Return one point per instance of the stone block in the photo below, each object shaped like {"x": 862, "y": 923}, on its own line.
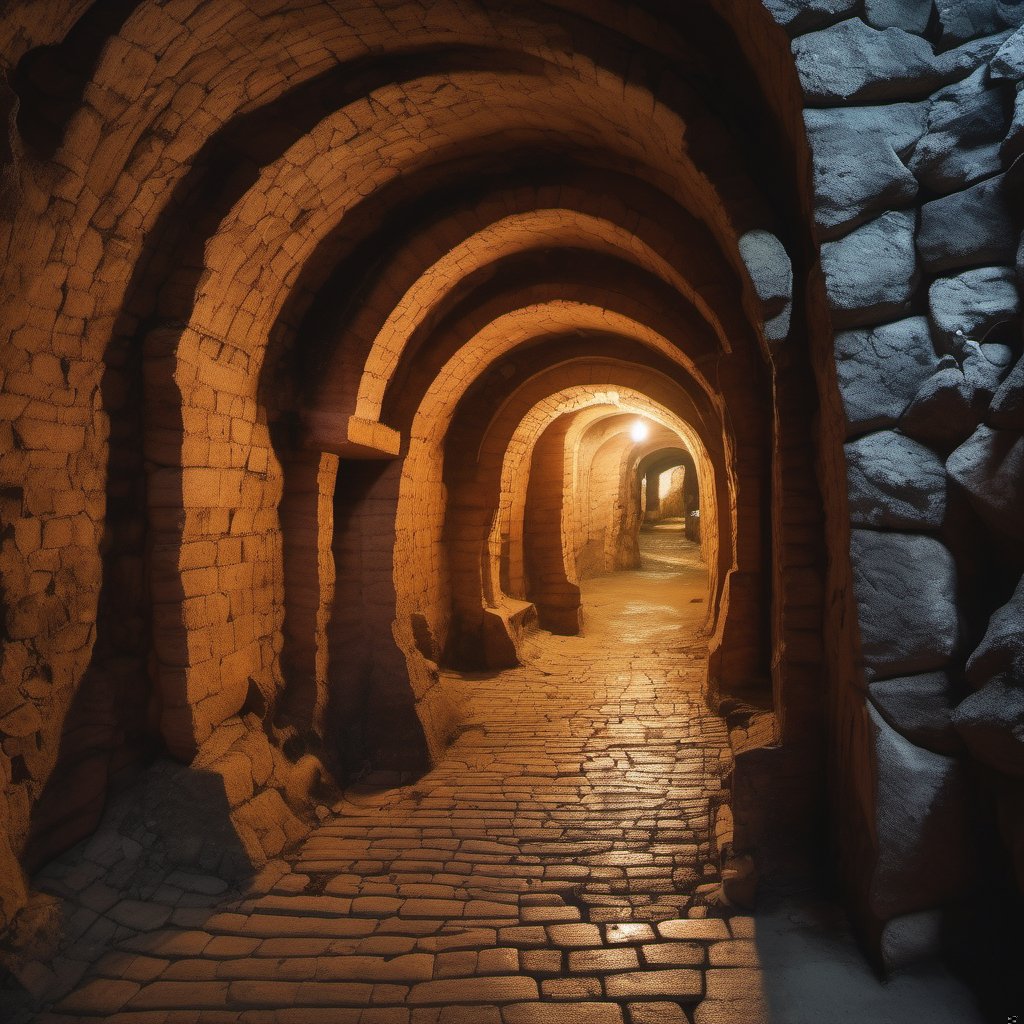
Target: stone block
{"x": 905, "y": 586}
{"x": 803, "y": 15}
{"x": 895, "y": 483}
{"x": 1008, "y": 62}
{"x": 920, "y": 708}
{"x": 858, "y": 165}
{"x": 991, "y": 722}
{"x": 1013, "y": 144}
{"x": 989, "y": 466}
{"x": 1000, "y": 655}
{"x": 984, "y": 367}
{"x": 672, "y": 983}
{"x": 854, "y": 63}
{"x": 1006, "y": 411}
{"x": 911, "y": 939}
{"x": 911, "y": 15}
{"x": 921, "y": 821}
{"x": 972, "y": 227}
{"x": 871, "y": 273}
{"x": 474, "y": 990}
{"x": 970, "y": 304}
{"x": 967, "y": 123}
{"x": 771, "y": 272}
{"x": 945, "y": 410}
{"x": 694, "y": 929}
{"x": 881, "y": 370}
{"x": 967, "y": 19}
{"x": 566, "y": 1013}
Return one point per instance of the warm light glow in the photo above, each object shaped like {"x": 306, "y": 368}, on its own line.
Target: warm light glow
{"x": 640, "y": 431}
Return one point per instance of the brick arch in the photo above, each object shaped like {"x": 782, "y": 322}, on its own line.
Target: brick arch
{"x": 209, "y": 361}
{"x": 662, "y": 460}
{"x": 423, "y": 459}
{"x": 122, "y": 159}
{"x": 570, "y": 450}
{"x": 620, "y": 516}
{"x": 487, "y": 501}
{"x": 219, "y": 347}
{"x": 207, "y": 349}
{"x": 372, "y": 357}
{"x": 605, "y": 520}
{"x": 540, "y": 228}
{"x": 647, "y": 397}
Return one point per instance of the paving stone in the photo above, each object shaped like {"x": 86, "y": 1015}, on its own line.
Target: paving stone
{"x": 207, "y": 885}
{"x": 656, "y": 1013}
{"x": 742, "y": 927}
{"x": 674, "y": 954}
{"x": 734, "y": 953}
{"x": 572, "y": 989}
{"x": 653, "y": 984}
{"x": 142, "y": 917}
{"x": 184, "y": 995}
{"x": 541, "y": 961}
{"x": 629, "y": 932}
{"x": 731, "y": 1011}
{"x": 739, "y": 983}
{"x": 590, "y": 961}
{"x": 101, "y": 996}
{"x": 571, "y": 1013}
{"x": 474, "y": 990}
{"x": 575, "y": 935}
{"x": 526, "y": 871}
{"x": 694, "y": 930}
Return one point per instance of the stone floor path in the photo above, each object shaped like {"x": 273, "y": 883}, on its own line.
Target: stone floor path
{"x": 556, "y": 868}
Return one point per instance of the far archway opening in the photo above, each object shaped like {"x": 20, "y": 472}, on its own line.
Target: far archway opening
{"x": 669, "y": 524}
{"x": 567, "y": 508}
{"x": 611, "y": 553}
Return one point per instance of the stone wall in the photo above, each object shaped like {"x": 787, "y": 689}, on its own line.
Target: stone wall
{"x": 283, "y": 282}
{"x": 914, "y": 120}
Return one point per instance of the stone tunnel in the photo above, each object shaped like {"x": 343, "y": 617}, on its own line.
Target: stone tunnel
{"x": 511, "y": 512}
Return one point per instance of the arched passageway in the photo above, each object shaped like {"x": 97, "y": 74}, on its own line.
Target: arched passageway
{"x": 462, "y": 466}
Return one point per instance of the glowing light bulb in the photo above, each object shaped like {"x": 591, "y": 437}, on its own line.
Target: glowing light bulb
{"x": 640, "y": 431}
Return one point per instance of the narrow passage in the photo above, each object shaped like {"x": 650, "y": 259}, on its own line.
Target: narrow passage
{"x": 560, "y": 854}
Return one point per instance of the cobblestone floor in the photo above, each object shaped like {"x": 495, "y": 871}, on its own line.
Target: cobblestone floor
{"x": 555, "y": 868}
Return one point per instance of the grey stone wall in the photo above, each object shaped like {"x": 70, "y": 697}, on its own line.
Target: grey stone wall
{"x": 915, "y": 116}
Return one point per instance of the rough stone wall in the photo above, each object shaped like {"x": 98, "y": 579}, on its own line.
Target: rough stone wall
{"x": 914, "y": 119}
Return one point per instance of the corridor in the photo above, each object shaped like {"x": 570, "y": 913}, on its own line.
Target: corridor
{"x": 557, "y": 864}
{"x": 509, "y": 512}
{"x": 557, "y": 867}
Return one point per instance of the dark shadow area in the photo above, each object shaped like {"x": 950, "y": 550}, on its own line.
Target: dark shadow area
{"x": 50, "y": 80}
{"x": 812, "y": 971}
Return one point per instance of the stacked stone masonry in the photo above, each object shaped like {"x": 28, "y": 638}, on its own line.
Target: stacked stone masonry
{"x": 325, "y": 330}
{"x": 914, "y": 120}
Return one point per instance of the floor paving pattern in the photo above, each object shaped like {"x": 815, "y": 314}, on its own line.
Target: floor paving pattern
{"x": 556, "y": 867}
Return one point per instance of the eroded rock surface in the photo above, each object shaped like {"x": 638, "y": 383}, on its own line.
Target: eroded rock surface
{"x": 906, "y": 596}
{"x": 895, "y": 482}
